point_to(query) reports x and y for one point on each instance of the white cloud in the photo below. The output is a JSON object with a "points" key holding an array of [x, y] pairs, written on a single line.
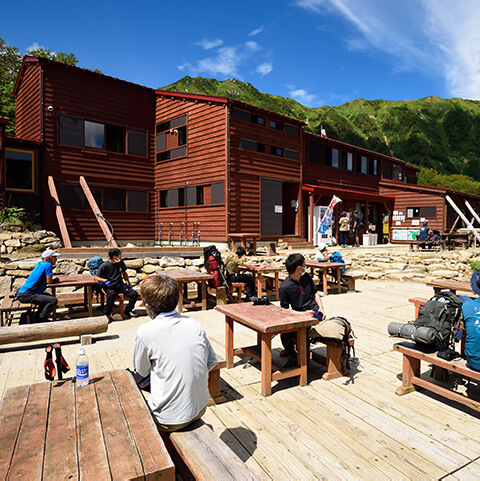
{"points": [[256, 32], [228, 61], [432, 36], [264, 68], [303, 96], [35, 46], [208, 44]]}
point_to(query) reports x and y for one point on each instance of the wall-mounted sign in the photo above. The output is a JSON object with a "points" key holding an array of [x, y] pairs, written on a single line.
{"points": [[278, 209]]}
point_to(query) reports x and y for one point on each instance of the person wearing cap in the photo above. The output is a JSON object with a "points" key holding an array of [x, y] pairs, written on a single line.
{"points": [[343, 229], [322, 253], [232, 263], [32, 291], [471, 322], [112, 274]]}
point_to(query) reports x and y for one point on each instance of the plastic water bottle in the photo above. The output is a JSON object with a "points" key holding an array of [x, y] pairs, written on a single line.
{"points": [[82, 368]]}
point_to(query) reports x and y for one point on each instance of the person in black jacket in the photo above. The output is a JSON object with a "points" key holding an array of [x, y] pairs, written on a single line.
{"points": [[112, 274], [298, 291], [423, 234]]}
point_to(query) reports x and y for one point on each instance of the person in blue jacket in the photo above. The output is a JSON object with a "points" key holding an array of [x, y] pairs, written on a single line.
{"points": [[33, 289], [471, 321], [423, 234]]}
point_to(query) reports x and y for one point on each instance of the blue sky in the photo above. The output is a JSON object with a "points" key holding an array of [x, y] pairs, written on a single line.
{"points": [[319, 52]]}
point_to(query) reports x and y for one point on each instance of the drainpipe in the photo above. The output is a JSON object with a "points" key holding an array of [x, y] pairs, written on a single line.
{"points": [[227, 173]]}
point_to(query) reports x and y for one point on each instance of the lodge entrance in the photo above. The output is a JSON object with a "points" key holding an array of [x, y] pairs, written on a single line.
{"points": [[279, 207]]}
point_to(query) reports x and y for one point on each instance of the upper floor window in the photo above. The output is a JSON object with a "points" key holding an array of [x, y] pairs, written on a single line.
{"points": [[171, 138], [335, 158], [248, 116], [113, 138], [275, 124], [276, 151], [397, 172], [291, 129], [20, 170]]}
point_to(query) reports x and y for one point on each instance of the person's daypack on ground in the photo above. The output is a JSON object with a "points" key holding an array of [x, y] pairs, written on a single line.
{"points": [[336, 329], [214, 266], [442, 312]]}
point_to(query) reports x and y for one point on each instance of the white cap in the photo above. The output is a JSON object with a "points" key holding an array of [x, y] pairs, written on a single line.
{"points": [[322, 246], [49, 253], [81, 351]]}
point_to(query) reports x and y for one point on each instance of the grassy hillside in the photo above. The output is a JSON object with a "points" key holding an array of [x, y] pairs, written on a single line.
{"points": [[432, 133]]}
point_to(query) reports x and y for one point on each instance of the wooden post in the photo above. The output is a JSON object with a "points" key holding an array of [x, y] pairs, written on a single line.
{"points": [[59, 213], [311, 217], [98, 214]]}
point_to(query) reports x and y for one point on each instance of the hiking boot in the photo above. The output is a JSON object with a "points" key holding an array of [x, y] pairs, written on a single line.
{"points": [[129, 315]]}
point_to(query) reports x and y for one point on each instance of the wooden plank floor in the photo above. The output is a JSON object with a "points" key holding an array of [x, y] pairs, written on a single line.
{"points": [[348, 428]]}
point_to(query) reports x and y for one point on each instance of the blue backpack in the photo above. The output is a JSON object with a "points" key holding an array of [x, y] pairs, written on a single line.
{"points": [[337, 257], [93, 264]]}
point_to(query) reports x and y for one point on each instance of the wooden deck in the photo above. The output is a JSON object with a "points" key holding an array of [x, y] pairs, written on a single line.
{"points": [[347, 428]]}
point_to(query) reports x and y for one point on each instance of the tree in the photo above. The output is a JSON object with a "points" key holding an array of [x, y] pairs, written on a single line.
{"points": [[68, 58]]}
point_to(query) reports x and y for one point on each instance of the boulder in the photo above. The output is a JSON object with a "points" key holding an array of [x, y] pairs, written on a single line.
{"points": [[375, 275], [149, 269], [48, 240], [150, 260], [5, 236], [28, 265], [134, 263], [13, 243], [18, 273], [5, 285], [197, 262], [443, 274], [131, 273], [168, 261], [66, 267]]}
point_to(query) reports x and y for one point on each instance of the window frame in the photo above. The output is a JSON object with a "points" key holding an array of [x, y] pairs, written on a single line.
{"points": [[34, 189]]}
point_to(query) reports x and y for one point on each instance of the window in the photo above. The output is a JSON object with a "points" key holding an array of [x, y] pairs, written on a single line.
{"points": [[247, 116], [20, 170], [349, 161], [182, 135], [164, 198], [137, 142], [195, 195], [113, 138], [218, 193], [172, 124], [276, 151], [172, 135], [364, 164], [387, 170], [251, 145], [256, 119], [315, 153], [335, 158], [137, 201], [372, 166], [94, 135], [291, 154], [397, 172], [275, 124], [260, 147], [172, 154], [72, 197], [71, 131], [291, 129], [424, 212]]}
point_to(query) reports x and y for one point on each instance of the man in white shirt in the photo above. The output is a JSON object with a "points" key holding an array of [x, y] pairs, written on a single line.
{"points": [[175, 351]]}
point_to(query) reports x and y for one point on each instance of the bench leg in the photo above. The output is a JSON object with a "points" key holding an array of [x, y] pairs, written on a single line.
{"points": [[411, 369], [351, 284]]}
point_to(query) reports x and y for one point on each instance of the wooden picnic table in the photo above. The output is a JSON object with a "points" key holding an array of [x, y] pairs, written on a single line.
{"points": [[323, 267], [267, 321], [258, 270], [183, 277], [75, 280], [243, 238], [57, 430], [453, 286]]}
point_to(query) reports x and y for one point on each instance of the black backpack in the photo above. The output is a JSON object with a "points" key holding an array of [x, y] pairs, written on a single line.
{"points": [[442, 312]]}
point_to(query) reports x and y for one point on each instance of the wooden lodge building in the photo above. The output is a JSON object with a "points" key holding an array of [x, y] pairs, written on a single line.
{"points": [[156, 161]]}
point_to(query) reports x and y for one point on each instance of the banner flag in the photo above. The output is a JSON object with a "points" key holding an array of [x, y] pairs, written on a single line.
{"points": [[327, 217]]}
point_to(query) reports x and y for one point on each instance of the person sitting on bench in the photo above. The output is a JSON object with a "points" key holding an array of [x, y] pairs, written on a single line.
{"points": [[175, 351], [232, 262], [298, 292], [33, 289], [112, 274], [471, 321]]}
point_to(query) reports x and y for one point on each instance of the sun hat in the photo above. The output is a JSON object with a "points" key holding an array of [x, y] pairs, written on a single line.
{"points": [[322, 246], [49, 253]]}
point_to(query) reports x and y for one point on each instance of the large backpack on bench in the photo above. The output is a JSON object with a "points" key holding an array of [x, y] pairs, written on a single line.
{"points": [[214, 265], [442, 312]]}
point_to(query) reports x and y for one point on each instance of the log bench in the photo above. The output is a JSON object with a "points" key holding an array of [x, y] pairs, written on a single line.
{"points": [[411, 377], [198, 453], [10, 305], [56, 329], [333, 359]]}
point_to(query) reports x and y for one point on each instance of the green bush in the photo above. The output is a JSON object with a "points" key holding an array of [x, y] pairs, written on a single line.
{"points": [[475, 265], [15, 215]]}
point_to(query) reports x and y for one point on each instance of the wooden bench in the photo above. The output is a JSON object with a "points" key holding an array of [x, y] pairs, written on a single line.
{"points": [[411, 377], [237, 288], [333, 359], [437, 245], [9, 305], [214, 383], [350, 282], [198, 453], [53, 330], [418, 303]]}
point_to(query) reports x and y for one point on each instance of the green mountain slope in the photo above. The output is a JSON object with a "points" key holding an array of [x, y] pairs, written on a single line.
{"points": [[433, 133]]}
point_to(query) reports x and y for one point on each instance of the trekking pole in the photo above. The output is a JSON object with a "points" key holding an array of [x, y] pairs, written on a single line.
{"points": [[159, 238], [170, 234], [198, 234], [193, 234], [181, 231]]}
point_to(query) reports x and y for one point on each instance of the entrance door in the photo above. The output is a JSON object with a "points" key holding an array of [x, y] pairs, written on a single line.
{"points": [[272, 207]]}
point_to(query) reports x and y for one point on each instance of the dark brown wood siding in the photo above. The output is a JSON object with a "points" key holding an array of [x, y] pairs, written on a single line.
{"points": [[86, 95], [28, 103], [248, 167], [204, 164]]}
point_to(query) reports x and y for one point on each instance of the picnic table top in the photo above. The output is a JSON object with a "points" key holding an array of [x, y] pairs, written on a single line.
{"points": [[72, 280], [450, 284], [57, 430], [261, 267], [323, 264], [270, 318], [186, 275]]}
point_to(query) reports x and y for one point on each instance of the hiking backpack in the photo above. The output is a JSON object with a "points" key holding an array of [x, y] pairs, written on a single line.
{"points": [[336, 329], [442, 312], [214, 266], [93, 264], [337, 257]]}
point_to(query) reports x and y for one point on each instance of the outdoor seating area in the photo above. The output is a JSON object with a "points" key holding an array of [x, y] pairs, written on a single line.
{"points": [[379, 434]]}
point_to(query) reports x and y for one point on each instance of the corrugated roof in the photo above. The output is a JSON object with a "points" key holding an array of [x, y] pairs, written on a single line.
{"points": [[439, 190], [347, 192]]}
